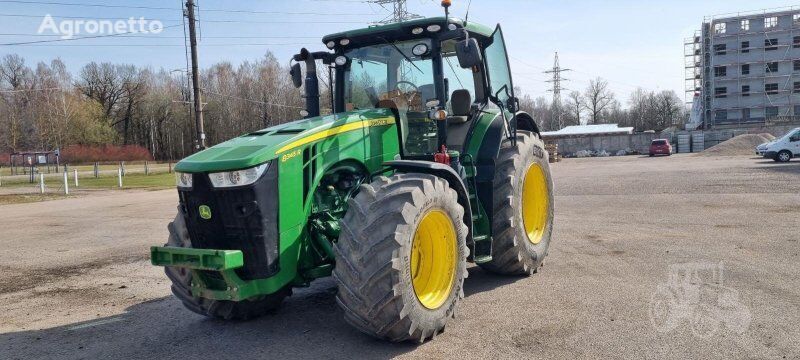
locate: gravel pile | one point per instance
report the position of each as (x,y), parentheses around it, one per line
(738,145)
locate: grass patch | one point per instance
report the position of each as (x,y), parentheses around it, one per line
(163,180)
(130,181)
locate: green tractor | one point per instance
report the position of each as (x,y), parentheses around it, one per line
(425,164)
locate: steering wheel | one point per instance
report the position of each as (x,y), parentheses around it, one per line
(415,89)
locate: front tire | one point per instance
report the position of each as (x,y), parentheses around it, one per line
(221,309)
(783,156)
(523,207)
(401,257)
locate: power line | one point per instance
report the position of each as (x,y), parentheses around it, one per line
(237,21)
(75,38)
(232,11)
(178,37)
(252,101)
(162,45)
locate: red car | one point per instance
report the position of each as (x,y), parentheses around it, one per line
(660,147)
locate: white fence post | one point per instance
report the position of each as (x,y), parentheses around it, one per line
(41,183)
(75,172)
(119,176)
(66,183)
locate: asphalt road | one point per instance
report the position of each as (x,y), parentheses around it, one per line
(632,234)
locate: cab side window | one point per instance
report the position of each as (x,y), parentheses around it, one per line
(456,77)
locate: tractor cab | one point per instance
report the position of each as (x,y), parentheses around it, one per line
(437,74)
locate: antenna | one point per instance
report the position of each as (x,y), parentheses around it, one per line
(466,16)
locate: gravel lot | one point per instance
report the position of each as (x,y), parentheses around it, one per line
(75,281)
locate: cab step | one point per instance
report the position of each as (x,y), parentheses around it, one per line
(483,259)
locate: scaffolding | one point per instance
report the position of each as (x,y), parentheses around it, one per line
(767,43)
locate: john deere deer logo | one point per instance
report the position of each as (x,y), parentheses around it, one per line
(205,212)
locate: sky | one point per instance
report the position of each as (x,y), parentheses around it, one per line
(629,43)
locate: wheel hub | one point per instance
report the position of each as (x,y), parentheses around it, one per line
(535,203)
(433,259)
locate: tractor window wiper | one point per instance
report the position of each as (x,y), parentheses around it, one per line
(401,53)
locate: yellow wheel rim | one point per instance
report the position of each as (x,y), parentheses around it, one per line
(433,259)
(535,202)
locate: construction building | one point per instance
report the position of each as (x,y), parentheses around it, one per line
(743,69)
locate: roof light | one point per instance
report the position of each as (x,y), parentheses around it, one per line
(416,30)
(434,28)
(419,49)
(344,42)
(330,44)
(451,26)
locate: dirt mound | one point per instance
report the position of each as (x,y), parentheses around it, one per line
(738,145)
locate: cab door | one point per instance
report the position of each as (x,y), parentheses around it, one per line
(499,72)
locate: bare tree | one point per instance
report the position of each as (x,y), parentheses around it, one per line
(597,98)
(574,108)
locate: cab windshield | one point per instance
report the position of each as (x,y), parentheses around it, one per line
(389,75)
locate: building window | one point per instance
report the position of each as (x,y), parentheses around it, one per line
(770,44)
(721,115)
(746,114)
(772,67)
(797,110)
(745,90)
(771,111)
(796,88)
(745,47)
(746,69)
(745,24)
(796,21)
(796,65)
(770,22)
(719,28)
(719,49)
(796,42)
(771,89)
(720,92)
(720,71)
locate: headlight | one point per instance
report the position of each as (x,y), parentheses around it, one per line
(434,28)
(330,44)
(238,177)
(340,60)
(183,180)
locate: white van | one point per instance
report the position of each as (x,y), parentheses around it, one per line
(782,149)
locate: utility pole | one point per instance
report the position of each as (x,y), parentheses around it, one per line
(399,12)
(198,106)
(556,90)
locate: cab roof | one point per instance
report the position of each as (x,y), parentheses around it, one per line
(472,27)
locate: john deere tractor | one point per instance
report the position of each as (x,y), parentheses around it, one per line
(424,164)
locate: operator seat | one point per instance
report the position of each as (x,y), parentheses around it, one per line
(458,122)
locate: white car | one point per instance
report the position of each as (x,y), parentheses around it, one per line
(782,149)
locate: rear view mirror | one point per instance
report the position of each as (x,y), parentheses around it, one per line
(468,53)
(297,76)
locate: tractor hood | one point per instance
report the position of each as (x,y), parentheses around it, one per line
(261,146)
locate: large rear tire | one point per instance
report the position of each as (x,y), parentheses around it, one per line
(523,207)
(401,257)
(222,309)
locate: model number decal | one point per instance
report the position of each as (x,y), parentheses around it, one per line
(290,155)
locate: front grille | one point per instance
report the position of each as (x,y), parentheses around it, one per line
(243,218)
